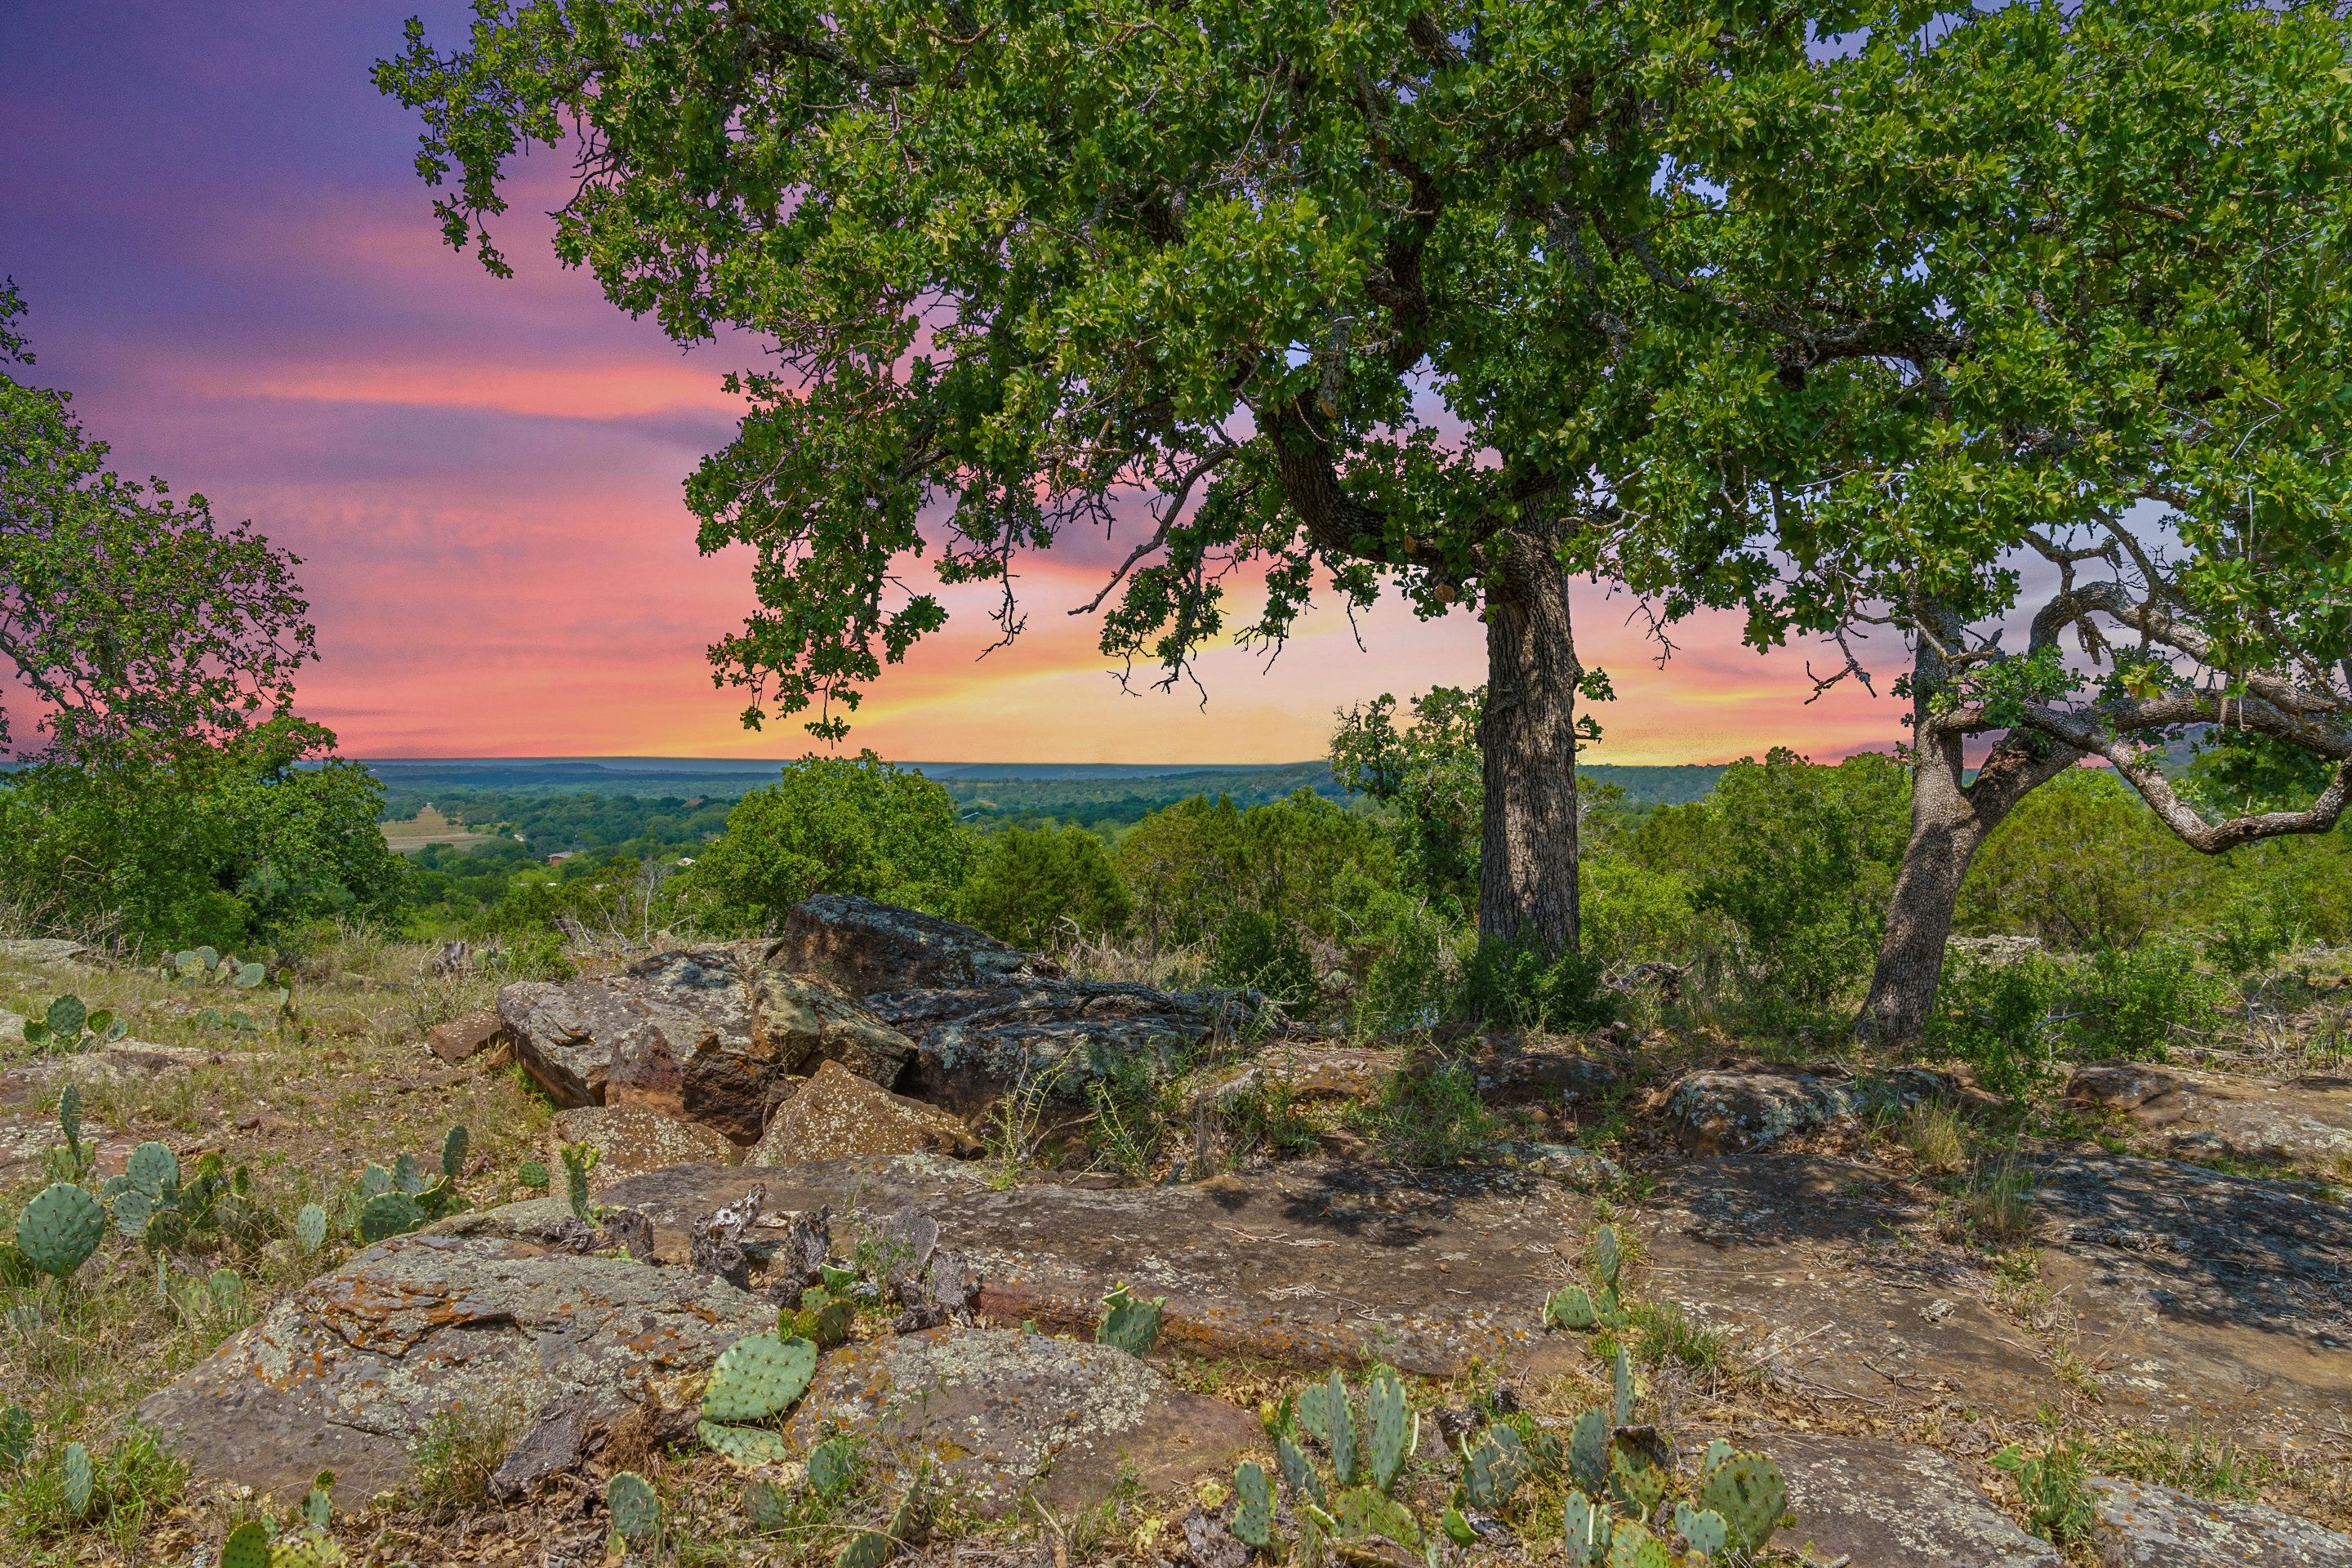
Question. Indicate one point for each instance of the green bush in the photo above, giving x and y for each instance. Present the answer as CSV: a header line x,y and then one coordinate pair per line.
x,y
2083,864
2131,1003
1029,886
1429,1114
1191,866
1403,950
2001,1018
1518,986
1264,952
830,825
1632,914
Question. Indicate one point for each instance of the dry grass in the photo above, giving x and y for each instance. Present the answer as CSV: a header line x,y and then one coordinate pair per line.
x,y
1933,1134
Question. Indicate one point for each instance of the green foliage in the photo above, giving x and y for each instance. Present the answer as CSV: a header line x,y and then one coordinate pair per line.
x,y
1261,951
2132,1003
635,1512
1428,775
758,1377
2082,864
1195,866
2058,1506
1520,986
1036,888
15,1437
1404,949
1130,1322
1998,1018
59,1228
1429,1113
831,825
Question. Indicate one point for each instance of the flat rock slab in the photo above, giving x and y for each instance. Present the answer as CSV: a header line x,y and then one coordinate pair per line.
x,y
49,952
349,1373
837,1113
1311,1263
2144,1526
121,1061
2202,1300
1000,1415
629,1141
2304,1124
1891,1505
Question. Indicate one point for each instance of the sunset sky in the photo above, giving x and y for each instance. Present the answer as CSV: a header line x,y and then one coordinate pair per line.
x,y
231,264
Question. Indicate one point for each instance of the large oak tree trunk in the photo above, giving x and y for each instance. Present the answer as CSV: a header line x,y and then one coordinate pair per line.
x,y
1526,735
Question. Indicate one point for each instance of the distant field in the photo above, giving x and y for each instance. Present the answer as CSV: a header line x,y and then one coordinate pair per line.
x,y
429,826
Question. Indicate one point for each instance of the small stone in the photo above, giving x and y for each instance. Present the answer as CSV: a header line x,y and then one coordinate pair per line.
x,y
839,1113
461,1040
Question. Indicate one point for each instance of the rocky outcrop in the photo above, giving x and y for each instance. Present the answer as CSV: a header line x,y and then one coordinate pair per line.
x,y
2141,1525
1892,1505
2304,1124
352,1371
1730,1111
1310,1263
864,947
837,1113
49,953
462,1040
1005,1415
704,1035
630,1141
1058,1034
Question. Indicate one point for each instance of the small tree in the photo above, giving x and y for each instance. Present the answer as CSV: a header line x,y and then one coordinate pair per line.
x,y
134,620
1031,886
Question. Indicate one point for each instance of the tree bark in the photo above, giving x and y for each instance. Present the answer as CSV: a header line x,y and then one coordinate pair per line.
x,y
1526,735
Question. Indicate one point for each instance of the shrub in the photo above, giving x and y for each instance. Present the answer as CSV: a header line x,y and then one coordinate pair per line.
x,y
1522,987
2128,1004
1030,885
1631,914
2082,863
1264,951
1429,1114
1191,866
2000,1018
1403,950
830,825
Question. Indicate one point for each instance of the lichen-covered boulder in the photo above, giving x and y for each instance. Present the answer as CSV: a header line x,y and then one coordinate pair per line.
x,y
2304,1124
1870,1502
1054,1032
351,1371
864,947
838,1113
629,1138
2142,1525
1730,1111
1002,1415
801,1021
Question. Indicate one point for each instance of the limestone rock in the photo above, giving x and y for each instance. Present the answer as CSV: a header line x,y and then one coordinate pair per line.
x,y
972,1042
1730,1111
1006,1414
1309,1264
2144,1526
864,947
628,1139
350,1371
801,1022
461,1040
49,952
838,1113
2305,1123
1306,1072
1890,1505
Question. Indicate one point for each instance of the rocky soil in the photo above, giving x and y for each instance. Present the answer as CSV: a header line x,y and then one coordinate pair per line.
x,y
2165,1282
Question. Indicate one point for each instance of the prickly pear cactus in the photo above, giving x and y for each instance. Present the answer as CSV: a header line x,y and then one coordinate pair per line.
x,y
1395,1428
318,1502
1368,1512
1128,1322
1586,1531
153,1169
770,1505
867,1549
406,1178
134,1210
823,1318
758,1376
374,1179
747,1448
310,1229
227,1289
636,1511
453,1154
1570,1306
1252,1506
1717,1451
248,1546
1748,1490
1588,1450
533,1173
1304,1484
69,1120
1608,1255
1323,1410
388,1215
1492,1468
1621,1382
15,1437
1637,1482
832,1466
1634,1547
59,1229
1703,1530
579,1159
80,1480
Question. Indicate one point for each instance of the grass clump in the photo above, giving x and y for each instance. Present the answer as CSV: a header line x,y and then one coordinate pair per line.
x,y
134,1480
461,1449
1428,1114
1933,1135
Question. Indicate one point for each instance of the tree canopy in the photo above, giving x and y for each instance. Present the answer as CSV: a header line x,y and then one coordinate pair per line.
x,y
125,613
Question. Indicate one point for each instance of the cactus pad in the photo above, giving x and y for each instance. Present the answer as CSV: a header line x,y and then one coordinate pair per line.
x,y
65,1019
1703,1528
15,1437
867,1549
1620,1384
1252,1506
1608,1255
1304,1484
1585,1532
1395,1429
1717,1451
80,1480
248,1546
747,1447
388,1215
310,1229
153,1169
1365,1512
228,1288
133,1212
1588,1450
318,1502
832,1466
247,976
636,1511
69,1118
533,1173
758,1376
1129,1323
1748,1490
1635,1547
1636,1479
374,1179
59,1229
406,1178
1492,1468
453,1154
1570,1306
770,1505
